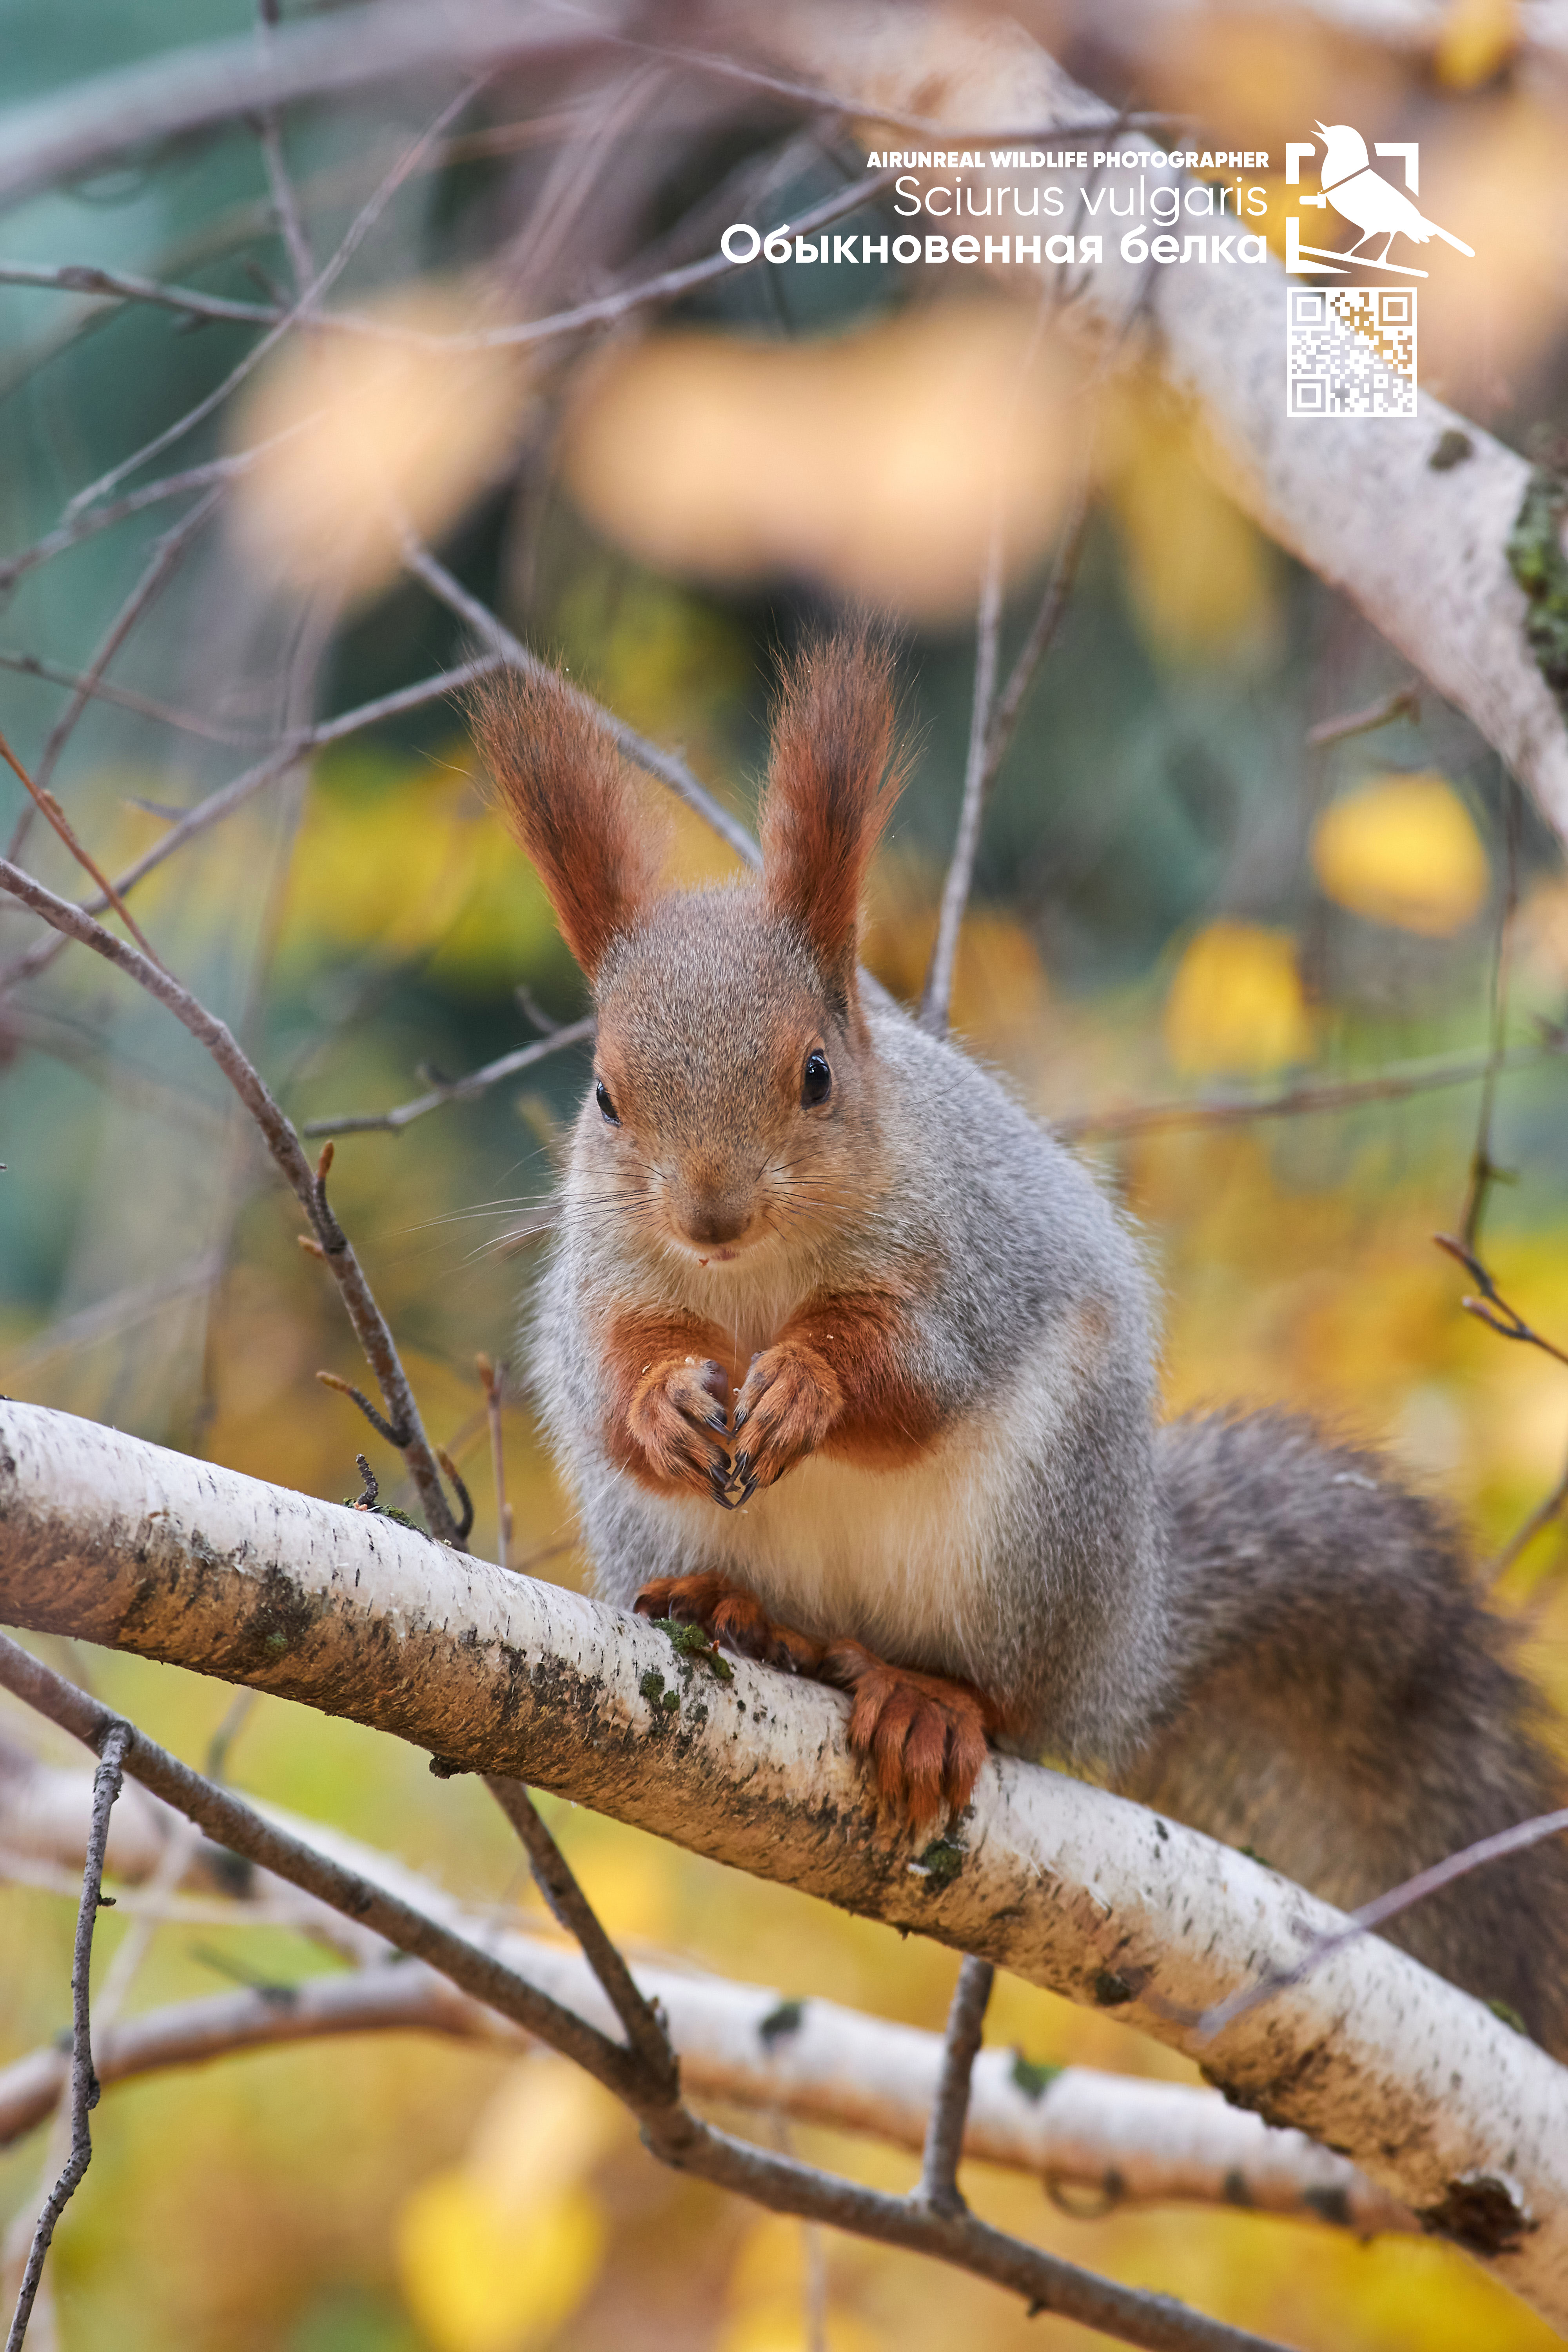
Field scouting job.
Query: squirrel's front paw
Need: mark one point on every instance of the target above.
(678, 1418)
(787, 1408)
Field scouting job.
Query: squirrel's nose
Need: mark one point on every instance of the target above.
(715, 1218)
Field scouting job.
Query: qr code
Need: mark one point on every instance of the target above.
(1350, 351)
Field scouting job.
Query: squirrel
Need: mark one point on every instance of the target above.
(849, 1360)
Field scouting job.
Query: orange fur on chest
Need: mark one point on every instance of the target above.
(886, 1419)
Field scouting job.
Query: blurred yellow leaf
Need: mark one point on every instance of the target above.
(495, 2253)
(1499, 178)
(480, 2276)
(1236, 1003)
(869, 461)
(1201, 575)
(1403, 850)
(1476, 39)
(394, 861)
(365, 426)
(766, 2296)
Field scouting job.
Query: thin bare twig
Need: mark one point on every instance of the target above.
(1549, 1508)
(84, 2082)
(937, 995)
(1491, 1308)
(991, 732)
(464, 1090)
(369, 1325)
(188, 722)
(553, 1876)
(945, 2134)
(1484, 1172)
(827, 101)
(281, 187)
(1399, 1080)
(490, 1380)
(1406, 703)
(159, 569)
(62, 824)
(311, 58)
(1383, 1907)
(66, 535)
(671, 2132)
(1037, 645)
(358, 230)
(665, 765)
(231, 796)
(124, 285)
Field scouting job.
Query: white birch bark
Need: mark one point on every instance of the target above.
(119, 1542)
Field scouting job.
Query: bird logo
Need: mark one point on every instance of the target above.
(1363, 197)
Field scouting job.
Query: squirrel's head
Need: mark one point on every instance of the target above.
(734, 1085)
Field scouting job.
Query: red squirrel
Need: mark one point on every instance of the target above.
(845, 1358)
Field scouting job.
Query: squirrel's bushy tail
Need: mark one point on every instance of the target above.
(1348, 1706)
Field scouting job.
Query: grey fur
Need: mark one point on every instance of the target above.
(1246, 1625)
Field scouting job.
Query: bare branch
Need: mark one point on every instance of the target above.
(1037, 643)
(741, 2045)
(188, 722)
(83, 2081)
(233, 1824)
(163, 561)
(123, 286)
(827, 101)
(217, 81)
(1492, 1308)
(1483, 1171)
(358, 230)
(270, 136)
(1389, 1084)
(673, 2134)
(937, 995)
(1404, 703)
(491, 1381)
(1064, 1883)
(665, 765)
(993, 721)
(369, 1325)
(949, 2109)
(1380, 1909)
(231, 796)
(62, 825)
(1549, 1508)
(71, 534)
(478, 1081)
(553, 1877)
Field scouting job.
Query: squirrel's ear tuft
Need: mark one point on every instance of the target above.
(568, 798)
(831, 788)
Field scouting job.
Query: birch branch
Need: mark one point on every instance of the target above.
(1421, 553)
(214, 81)
(1453, 2113)
(744, 2045)
(671, 2130)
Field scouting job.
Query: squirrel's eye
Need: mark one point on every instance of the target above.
(601, 1097)
(816, 1084)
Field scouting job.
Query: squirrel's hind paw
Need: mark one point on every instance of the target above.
(923, 1736)
(728, 1613)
